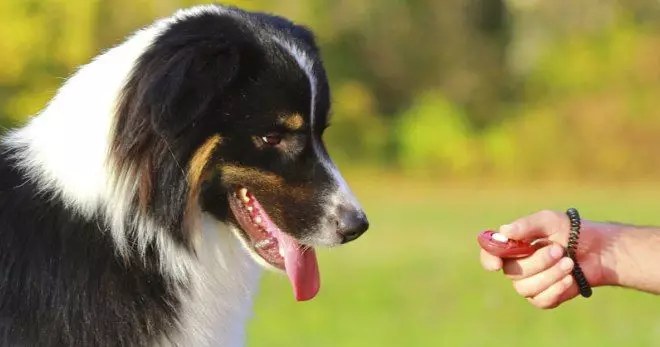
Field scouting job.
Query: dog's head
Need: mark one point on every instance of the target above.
(225, 113)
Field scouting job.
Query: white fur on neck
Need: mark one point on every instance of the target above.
(225, 284)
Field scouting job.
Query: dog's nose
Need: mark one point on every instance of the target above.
(351, 223)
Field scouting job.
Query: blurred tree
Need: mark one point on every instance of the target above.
(402, 48)
(41, 41)
(451, 87)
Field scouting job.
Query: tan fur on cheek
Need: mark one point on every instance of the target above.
(200, 159)
(197, 171)
(272, 190)
(237, 175)
(262, 181)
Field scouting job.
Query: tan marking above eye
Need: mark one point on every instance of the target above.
(293, 122)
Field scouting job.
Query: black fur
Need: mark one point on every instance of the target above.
(61, 283)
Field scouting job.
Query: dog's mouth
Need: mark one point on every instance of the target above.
(277, 248)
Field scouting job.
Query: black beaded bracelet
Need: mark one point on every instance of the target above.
(583, 284)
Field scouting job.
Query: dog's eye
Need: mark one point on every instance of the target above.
(272, 139)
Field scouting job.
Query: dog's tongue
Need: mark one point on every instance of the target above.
(301, 267)
(299, 261)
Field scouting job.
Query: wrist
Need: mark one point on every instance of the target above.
(599, 252)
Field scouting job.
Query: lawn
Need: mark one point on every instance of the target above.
(414, 279)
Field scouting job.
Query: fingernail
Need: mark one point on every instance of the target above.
(507, 229)
(566, 264)
(556, 252)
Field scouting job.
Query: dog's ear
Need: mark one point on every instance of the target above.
(305, 35)
(300, 32)
(179, 81)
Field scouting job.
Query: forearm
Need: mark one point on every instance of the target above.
(630, 256)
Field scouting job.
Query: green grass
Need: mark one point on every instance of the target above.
(415, 280)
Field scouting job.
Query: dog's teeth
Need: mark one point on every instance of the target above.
(263, 243)
(281, 251)
(242, 194)
(250, 208)
(257, 220)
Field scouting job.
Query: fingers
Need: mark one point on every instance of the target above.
(490, 262)
(543, 278)
(537, 225)
(540, 261)
(556, 294)
(535, 285)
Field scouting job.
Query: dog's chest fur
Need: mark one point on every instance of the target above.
(221, 292)
(62, 285)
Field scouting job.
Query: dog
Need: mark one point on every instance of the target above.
(140, 206)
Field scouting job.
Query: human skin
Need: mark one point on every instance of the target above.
(610, 254)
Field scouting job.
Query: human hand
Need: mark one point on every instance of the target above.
(544, 278)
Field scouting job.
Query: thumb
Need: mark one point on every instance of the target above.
(542, 224)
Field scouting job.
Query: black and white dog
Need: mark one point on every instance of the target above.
(139, 207)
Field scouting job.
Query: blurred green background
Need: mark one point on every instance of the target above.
(449, 117)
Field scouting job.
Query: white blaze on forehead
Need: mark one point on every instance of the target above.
(307, 65)
(343, 194)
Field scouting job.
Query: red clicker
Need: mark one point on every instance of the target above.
(503, 247)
